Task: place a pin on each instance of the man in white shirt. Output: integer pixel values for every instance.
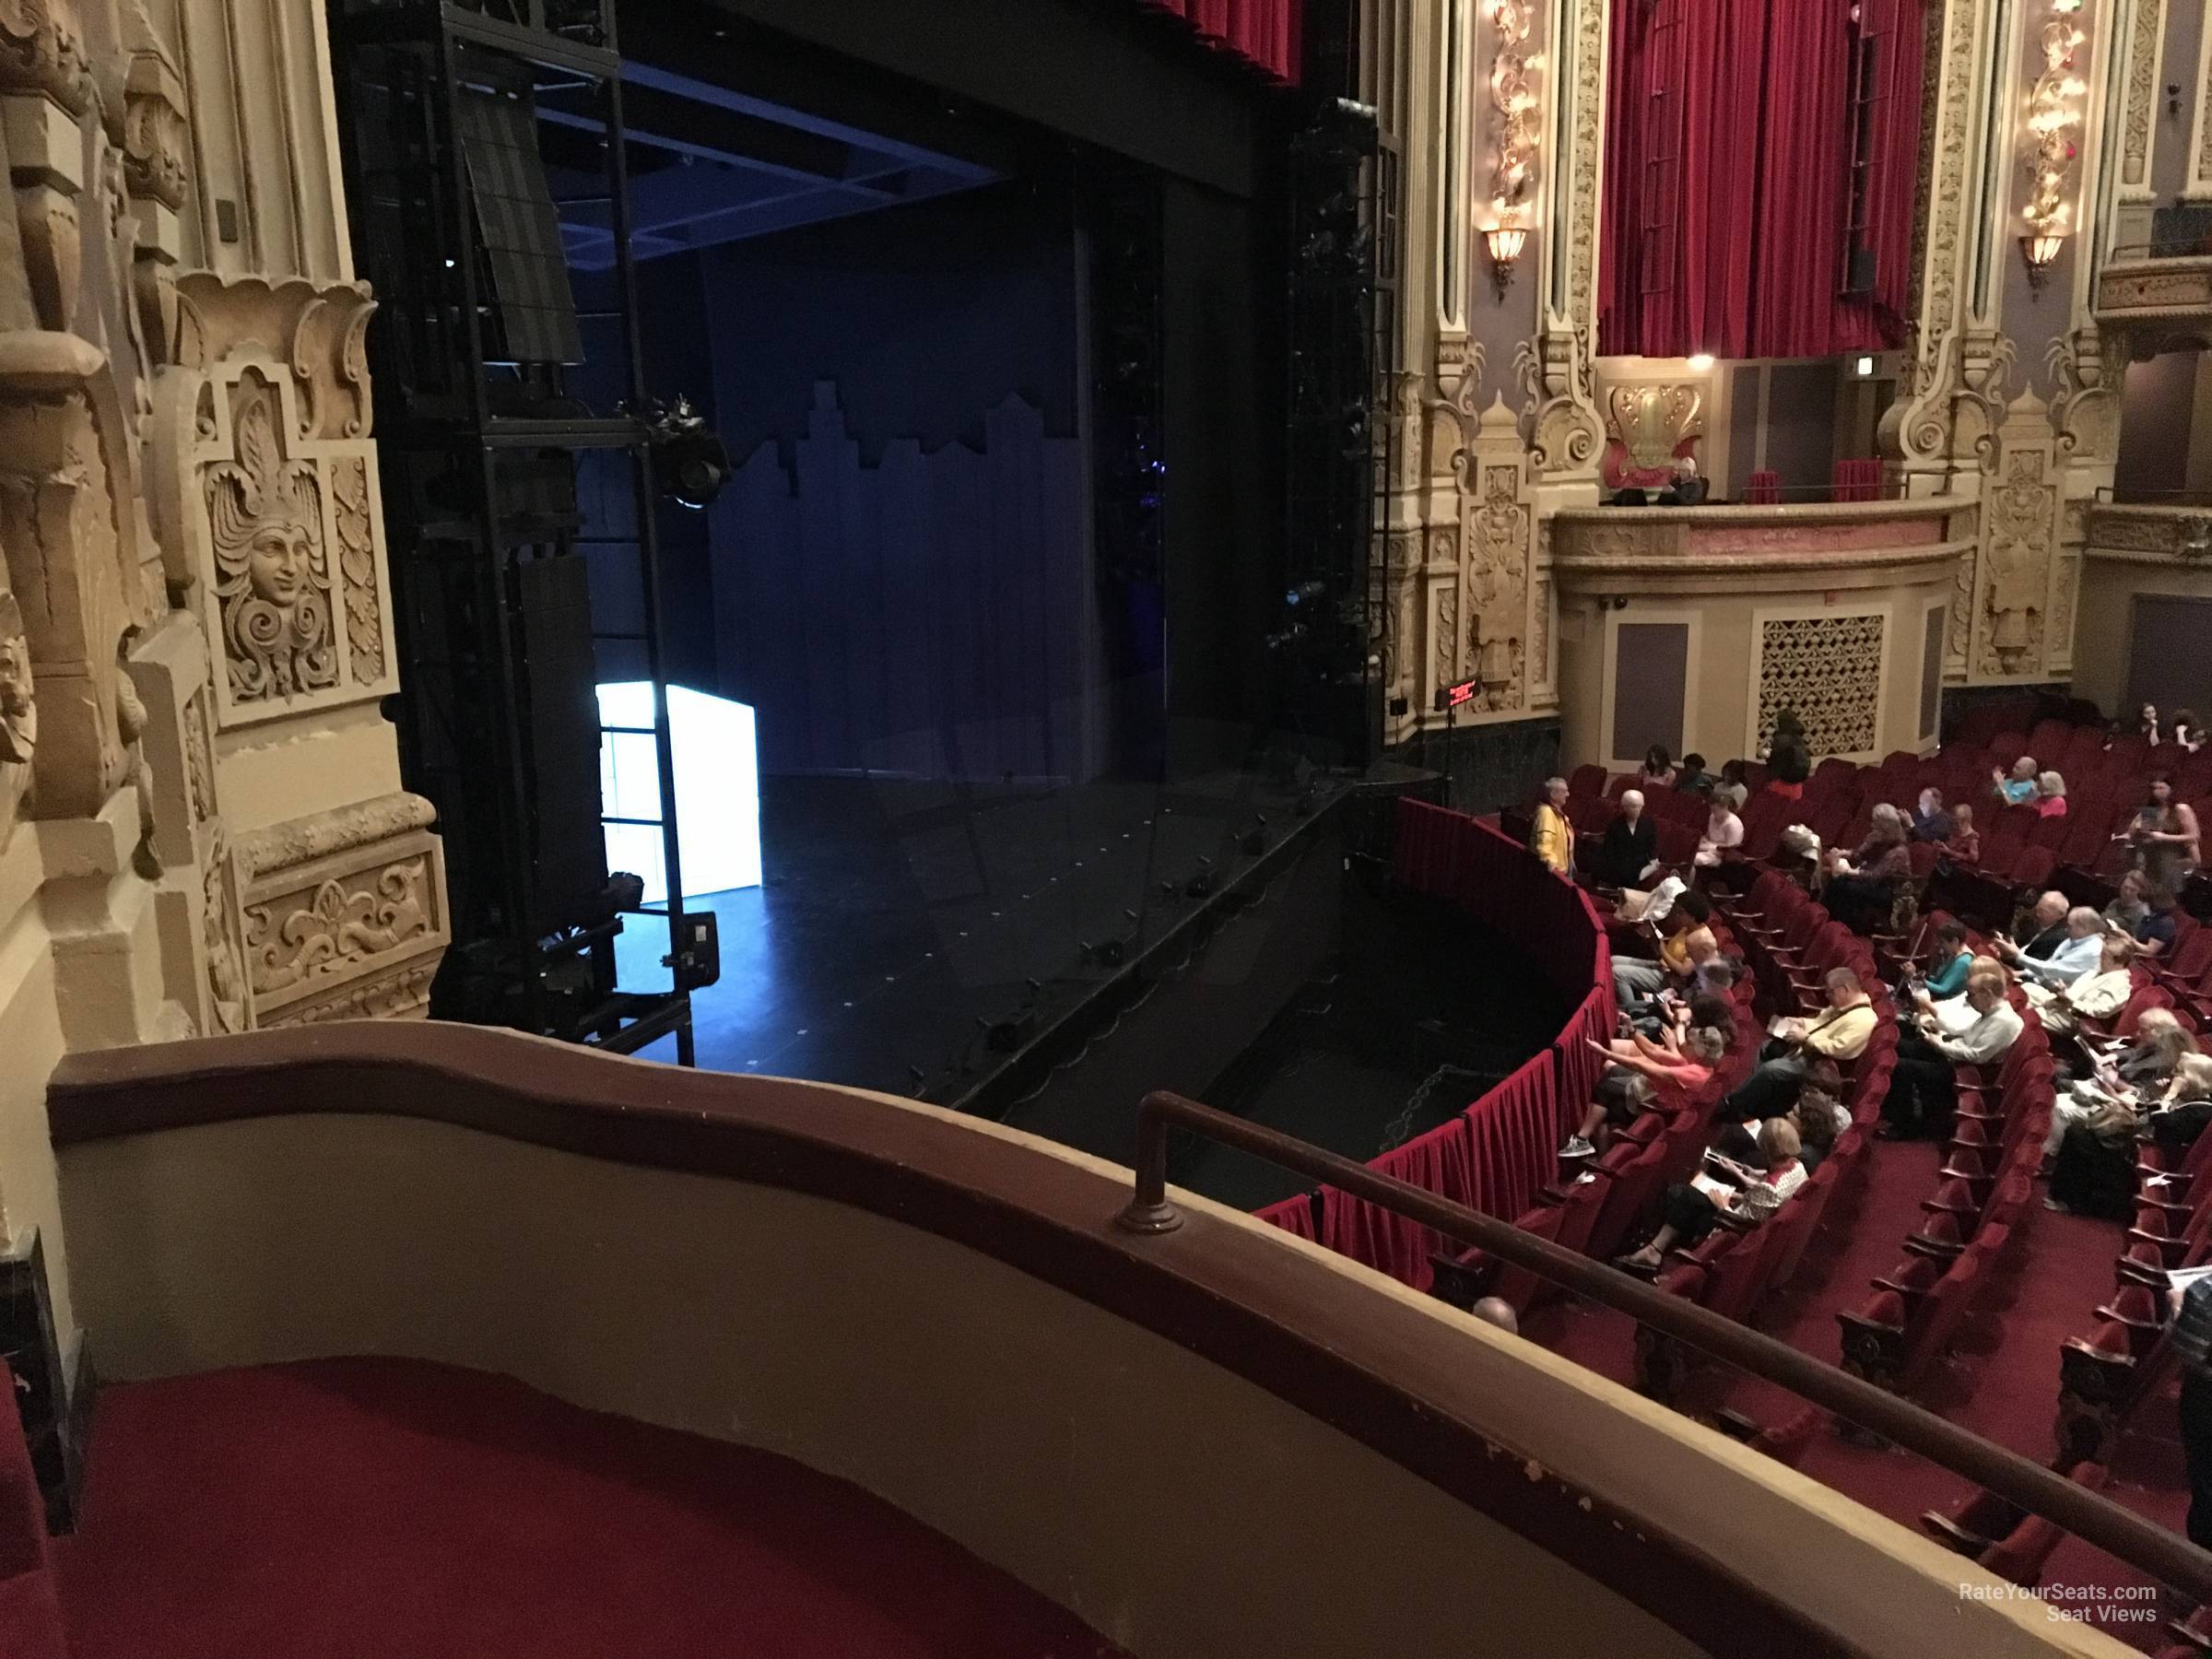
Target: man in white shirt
(1977, 1029)
(2098, 994)
(2078, 955)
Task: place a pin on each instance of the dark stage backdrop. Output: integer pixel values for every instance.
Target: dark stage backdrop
(899, 577)
(932, 615)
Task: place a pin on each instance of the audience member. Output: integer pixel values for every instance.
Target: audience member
(1677, 1067)
(1862, 886)
(1629, 851)
(1964, 842)
(2162, 923)
(2191, 1340)
(1685, 944)
(1930, 822)
(1723, 828)
(1692, 778)
(1694, 1208)
(1551, 836)
(1948, 964)
(2165, 836)
(1658, 769)
(2050, 795)
(2094, 1172)
(2065, 961)
(2040, 929)
(1977, 1029)
(2129, 1079)
(2146, 726)
(1789, 758)
(2097, 995)
(2186, 733)
(1497, 1311)
(1839, 1032)
(2128, 906)
(1819, 1116)
(2018, 790)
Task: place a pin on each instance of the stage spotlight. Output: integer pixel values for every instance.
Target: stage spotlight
(689, 461)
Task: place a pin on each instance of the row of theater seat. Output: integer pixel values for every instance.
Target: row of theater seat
(1789, 942)
(1975, 1223)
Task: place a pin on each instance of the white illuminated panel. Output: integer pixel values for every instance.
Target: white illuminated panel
(717, 789)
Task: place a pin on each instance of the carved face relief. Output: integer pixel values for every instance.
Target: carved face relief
(271, 576)
(277, 563)
(18, 700)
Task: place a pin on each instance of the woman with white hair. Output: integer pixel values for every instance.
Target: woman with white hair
(2050, 795)
(2136, 1074)
(1864, 885)
(2094, 1172)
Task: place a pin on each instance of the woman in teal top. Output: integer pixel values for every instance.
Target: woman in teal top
(1947, 977)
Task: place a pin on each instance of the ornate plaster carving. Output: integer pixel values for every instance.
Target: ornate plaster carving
(1402, 643)
(1444, 631)
(42, 51)
(401, 993)
(1918, 427)
(290, 579)
(156, 138)
(2020, 527)
(2086, 369)
(2147, 290)
(222, 940)
(339, 901)
(272, 572)
(1559, 417)
(1495, 525)
(341, 829)
(18, 694)
(1652, 430)
(2143, 41)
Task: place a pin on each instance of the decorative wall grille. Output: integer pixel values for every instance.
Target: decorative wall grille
(1829, 670)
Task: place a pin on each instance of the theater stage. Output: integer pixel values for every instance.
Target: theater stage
(1046, 956)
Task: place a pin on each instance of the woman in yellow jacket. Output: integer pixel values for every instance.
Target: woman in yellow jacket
(1551, 838)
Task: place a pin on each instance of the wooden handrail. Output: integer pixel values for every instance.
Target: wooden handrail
(2143, 1544)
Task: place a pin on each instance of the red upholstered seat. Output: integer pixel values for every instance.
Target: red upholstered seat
(31, 1612)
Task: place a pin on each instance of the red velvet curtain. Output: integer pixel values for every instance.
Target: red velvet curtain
(1727, 177)
(1267, 31)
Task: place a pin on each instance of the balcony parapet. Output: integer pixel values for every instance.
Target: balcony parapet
(2151, 533)
(2136, 286)
(1719, 549)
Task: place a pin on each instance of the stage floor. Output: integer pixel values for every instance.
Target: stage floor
(897, 915)
(900, 918)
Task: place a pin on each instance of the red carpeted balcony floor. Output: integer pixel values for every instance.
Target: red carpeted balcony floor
(374, 1508)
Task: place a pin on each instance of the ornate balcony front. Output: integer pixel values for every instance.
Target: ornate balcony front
(1818, 546)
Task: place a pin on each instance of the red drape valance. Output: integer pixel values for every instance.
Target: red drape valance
(1267, 31)
(1728, 176)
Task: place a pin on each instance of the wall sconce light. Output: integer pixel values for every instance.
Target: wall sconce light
(2040, 250)
(1701, 363)
(2053, 142)
(1505, 243)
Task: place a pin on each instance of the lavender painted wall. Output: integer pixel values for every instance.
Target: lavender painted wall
(1499, 326)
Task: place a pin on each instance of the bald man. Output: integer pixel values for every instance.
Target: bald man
(1497, 1311)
